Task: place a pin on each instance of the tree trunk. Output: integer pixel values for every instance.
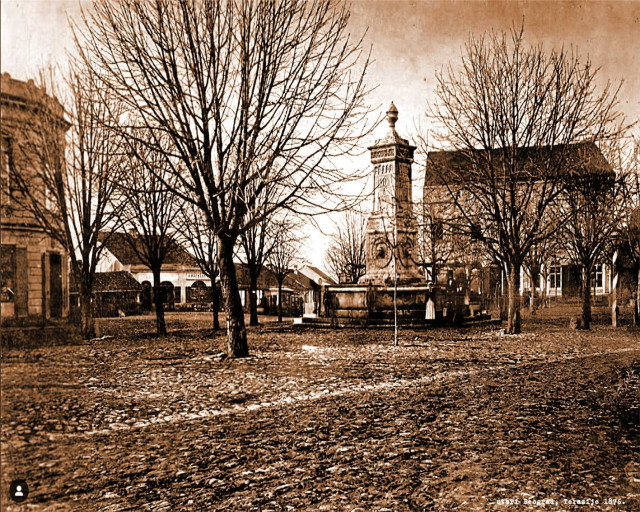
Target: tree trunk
(502, 299)
(87, 320)
(434, 270)
(215, 307)
(535, 279)
(514, 324)
(236, 331)
(158, 301)
(586, 298)
(253, 300)
(280, 301)
(543, 290)
(636, 310)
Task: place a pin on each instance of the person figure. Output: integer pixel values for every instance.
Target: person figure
(328, 301)
(370, 299)
(430, 313)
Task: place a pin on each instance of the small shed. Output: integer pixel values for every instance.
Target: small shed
(114, 294)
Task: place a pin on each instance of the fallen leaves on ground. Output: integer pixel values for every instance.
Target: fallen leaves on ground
(323, 419)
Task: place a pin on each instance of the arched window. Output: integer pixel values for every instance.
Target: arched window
(145, 296)
(167, 288)
(199, 293)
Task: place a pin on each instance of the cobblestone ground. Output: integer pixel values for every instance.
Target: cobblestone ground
(451, 419)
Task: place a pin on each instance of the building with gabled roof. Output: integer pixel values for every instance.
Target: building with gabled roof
(458, 165)
(180, 273)
(451, 168)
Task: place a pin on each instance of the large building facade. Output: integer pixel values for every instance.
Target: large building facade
(559, 278)
(34, 269)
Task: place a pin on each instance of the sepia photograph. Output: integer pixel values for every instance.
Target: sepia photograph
(320, 255)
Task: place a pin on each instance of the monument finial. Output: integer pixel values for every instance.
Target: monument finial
(392, 115)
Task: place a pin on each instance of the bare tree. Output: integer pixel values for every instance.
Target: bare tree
(250, 94)
(287, 242)
(257, 243)
(633, 224)
(203, 244)
(512, 112)
(346, 254)
(593, 202)
(149, 214)
(625, 157)
(439, 239)
(68, 195)
(536, 265)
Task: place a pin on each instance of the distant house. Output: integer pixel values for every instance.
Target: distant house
(317, 275)
(114, 294)
(266, 281)
(302, 291)
(184, 282)
(310, 284)
(186, 285)
(181, 277)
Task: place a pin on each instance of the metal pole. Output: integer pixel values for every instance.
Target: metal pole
(614, 292)
(395, 298)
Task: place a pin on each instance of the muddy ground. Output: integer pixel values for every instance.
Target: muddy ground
(451, 419)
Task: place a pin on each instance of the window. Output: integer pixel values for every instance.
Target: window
(6, 165)
(7, 273)
(428, 274)
(198, 292)
(597, 277)
(555, 277)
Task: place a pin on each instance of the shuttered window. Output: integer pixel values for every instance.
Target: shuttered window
(22, 282)
(7, 273)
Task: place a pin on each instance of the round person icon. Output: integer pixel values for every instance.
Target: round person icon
(18, 490)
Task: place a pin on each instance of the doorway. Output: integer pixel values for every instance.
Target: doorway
(55, 285)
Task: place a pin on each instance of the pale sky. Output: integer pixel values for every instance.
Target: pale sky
(410, 40)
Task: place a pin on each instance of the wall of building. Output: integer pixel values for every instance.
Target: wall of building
(34, 278)
(180, 279)
(563, 281)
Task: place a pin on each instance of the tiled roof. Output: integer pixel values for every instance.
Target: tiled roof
(326, 279)
(115, 281)
(120, 281)
(265, 280)
(299, 282)
(580, 158)
(118, 244)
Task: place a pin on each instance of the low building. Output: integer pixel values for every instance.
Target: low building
(114, 294)
(266, 281)
(303, 292)
(187, 287)
(34, 268)
(314, 292)
(181, 277)
(184, 283)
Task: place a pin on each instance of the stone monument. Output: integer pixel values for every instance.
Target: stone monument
(393, 283)
(391, 227)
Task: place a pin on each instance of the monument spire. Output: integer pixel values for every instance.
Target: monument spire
(391, 229)
(392, 116)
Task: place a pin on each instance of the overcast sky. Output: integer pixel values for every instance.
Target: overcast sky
(411, 41)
